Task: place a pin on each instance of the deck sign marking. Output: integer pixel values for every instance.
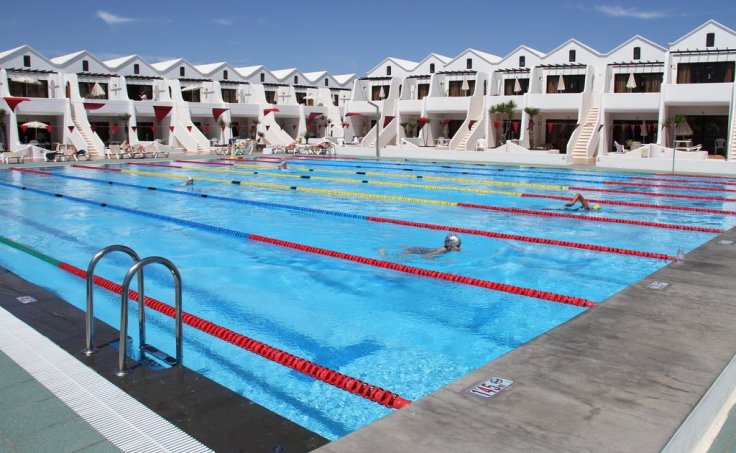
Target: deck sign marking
(25, 299)
(491, 387)
(655, 285)
(725, 242)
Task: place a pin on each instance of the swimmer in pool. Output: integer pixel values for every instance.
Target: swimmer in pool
(583, 203)
(282, 165)
(452, 243)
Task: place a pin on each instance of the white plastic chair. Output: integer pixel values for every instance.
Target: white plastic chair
(481, 144)
(619, 147)
(720, 145)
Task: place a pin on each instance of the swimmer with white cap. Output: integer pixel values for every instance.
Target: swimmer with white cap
(452, 243)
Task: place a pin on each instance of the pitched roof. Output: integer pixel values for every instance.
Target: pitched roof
(710, 22)
(64, 59)
(314, 76)
(166, 65)
(247, 71)
(117, 62)
(635, 38)
(344, 78)
(206, 69)
(12, 51)
(406, 65)
(281, 73)
(574, 41)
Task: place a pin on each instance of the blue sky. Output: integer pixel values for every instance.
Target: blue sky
(339, 36)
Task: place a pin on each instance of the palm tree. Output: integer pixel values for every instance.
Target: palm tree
(671, 125)
(532, 112)
(125, 119)
(504, 111)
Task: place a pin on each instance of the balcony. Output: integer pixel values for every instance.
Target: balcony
(697, 93)
(628, 102)
(561, 102)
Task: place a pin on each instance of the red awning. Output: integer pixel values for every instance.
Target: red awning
(422, 120)
(93, 105)
(217, 113)
(13, 101)
(160, 111)
(272, 109)
(353, 114)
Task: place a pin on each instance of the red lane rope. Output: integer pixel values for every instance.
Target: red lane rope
(148, 164)
(519, 290)
(655, 194)
(203, 162)
(636, 205)
(670, 186)
(93, 167)
(591, 218)
(683, 180)
(311, 369)
(28, 170)
(699, 176)
(535, 240)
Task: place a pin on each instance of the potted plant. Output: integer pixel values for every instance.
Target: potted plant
(532, 112)
(630, 143)
(502, 112)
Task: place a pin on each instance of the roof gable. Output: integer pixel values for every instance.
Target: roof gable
(171, 69)
(13, 58)
(406, 65)
(560, 52)
(73, 62)
(690, 41)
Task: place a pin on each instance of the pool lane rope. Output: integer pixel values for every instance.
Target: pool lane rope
(342, 381)
(470, 281)
(520, 184)
(671, 186)
(407, 223)
(348, 194)
(472, 190)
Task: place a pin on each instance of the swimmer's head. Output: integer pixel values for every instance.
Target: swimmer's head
(452, 241)
(595, 207)
(189, 178)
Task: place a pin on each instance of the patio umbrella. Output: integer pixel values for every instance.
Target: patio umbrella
(465, 86)
(34, 125)
(97, 90)
(381, 94)
(517, 86)
(191, 88)
(631, 83)
(561, 83)
(683, 129)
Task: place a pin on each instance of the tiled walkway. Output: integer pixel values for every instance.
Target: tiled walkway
(33, 419)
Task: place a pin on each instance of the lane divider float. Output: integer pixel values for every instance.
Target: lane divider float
(470, 281)
(342, 381)
(348, 194)
(407, 223)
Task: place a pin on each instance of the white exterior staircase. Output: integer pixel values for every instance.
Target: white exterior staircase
(91, 148)
(733, 139)
(580, 151)
(462, 146)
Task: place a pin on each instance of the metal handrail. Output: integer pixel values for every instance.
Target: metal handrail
(137, 268)
(90, 348)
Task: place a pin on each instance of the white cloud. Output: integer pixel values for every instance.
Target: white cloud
(112, 19)
(620, 11)
(221, 21)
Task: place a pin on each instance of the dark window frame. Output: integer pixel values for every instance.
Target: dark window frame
(710, 40)
(637, 53)
(572, 56)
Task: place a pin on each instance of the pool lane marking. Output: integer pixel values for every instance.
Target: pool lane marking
(511, 183)
(407, 223)
(296, 363)
(340, 193)
(470, 190)
(470, 281)
(426, 177)
(670, 186)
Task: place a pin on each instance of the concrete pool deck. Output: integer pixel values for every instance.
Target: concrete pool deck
(623, 376)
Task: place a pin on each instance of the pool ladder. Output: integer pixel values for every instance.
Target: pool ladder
(136, 268)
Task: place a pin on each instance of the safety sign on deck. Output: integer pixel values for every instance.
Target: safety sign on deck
(491, 387)
(25, 299)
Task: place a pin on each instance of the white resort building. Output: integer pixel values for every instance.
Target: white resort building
(638, 106)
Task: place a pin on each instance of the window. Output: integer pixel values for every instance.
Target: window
(422, 90)
(455, 88)
(230, 95)
(710, 40)
(296, 80)
(522, 61)
(327, 82)
(182, 71)
(27, 61)
(263, 77)
(270, 96)
(431, 68)
(85, 66)
(140, 92)
(224, 74)
(645, 82)
(715, 72)
(571, 83)
(469, 63)
(388, 70)
(511, 88)
(136, 68)
(637, 53)
(571, 56)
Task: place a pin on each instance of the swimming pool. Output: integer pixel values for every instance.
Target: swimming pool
(406, 333)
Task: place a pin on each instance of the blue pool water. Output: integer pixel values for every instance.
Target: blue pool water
(407, 334)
